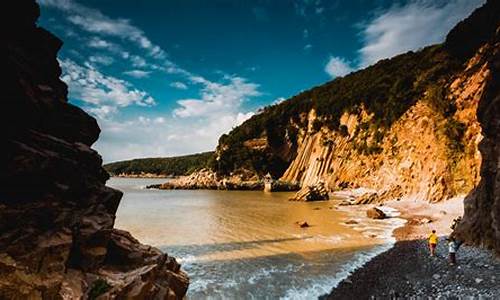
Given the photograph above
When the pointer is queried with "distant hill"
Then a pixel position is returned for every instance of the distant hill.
(166, 166)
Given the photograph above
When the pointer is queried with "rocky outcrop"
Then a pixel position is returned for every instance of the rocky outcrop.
(316, 192)
(394, 193)
(203, 179)
(414, 158)
(56, 215)
(206, 179)
(429, 153)
(405, 127)
(481, 222)
(375, 213)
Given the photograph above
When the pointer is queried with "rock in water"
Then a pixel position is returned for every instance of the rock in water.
(57, 239)
(315, 192)
(351, 222)
(375, 213)
(302, 224)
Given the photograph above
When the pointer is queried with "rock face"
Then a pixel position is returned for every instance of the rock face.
(56, 215)
(481, 222)
(415, 157)
(347, 133)
(316, 192)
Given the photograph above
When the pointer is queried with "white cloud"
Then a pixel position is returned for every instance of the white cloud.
(338, 66)
(103, 94)
(194, 126)
(402, 28)
(92, 20)
(148, 121)
(159, 137)
(138, 61)
(101, 59)
(178, 85)
(96, 42)
(217, 98)
(103, 111)
(159, 120)
(411, 26)
(137, 73)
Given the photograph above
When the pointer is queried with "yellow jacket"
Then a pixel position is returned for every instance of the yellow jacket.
(433, 238)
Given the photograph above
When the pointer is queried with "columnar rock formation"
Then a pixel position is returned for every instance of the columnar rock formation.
(56, 214)
(417, 138)
(415, 158)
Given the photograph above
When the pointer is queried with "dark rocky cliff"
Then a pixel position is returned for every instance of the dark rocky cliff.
(56, 214)
(481, 222)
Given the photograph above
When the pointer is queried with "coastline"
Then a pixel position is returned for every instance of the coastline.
(312, 243)
(400, 264)
(144, 175)
(405, 269)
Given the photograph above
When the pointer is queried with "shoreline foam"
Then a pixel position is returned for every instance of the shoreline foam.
(406, 270)
(360, 259)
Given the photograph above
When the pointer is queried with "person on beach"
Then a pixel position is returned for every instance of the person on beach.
(433, 240)
(452, 249)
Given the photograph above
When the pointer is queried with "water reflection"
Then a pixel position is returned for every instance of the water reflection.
(241, 244)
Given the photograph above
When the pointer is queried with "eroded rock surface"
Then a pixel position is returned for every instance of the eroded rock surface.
(413, 136)
(481, 222)
(56, 214)
(316, 192)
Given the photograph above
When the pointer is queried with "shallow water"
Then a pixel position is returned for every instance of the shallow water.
(246, 245)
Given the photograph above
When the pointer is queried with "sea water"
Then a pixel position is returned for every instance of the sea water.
(246, 244)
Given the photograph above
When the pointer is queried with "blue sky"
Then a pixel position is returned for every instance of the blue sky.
(169, 77)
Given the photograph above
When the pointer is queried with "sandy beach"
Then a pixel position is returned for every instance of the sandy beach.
(407, 271)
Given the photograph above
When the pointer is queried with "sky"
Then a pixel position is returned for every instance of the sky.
(167, 78)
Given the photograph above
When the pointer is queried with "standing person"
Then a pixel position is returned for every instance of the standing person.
(433, 240)
(452, 249)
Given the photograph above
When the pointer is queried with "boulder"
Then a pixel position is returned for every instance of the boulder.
(375, 213)
(302, 224)
(351, 222)
(317, 192)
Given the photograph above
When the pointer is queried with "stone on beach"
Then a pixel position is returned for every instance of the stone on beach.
(375, 213)
(302, 224)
